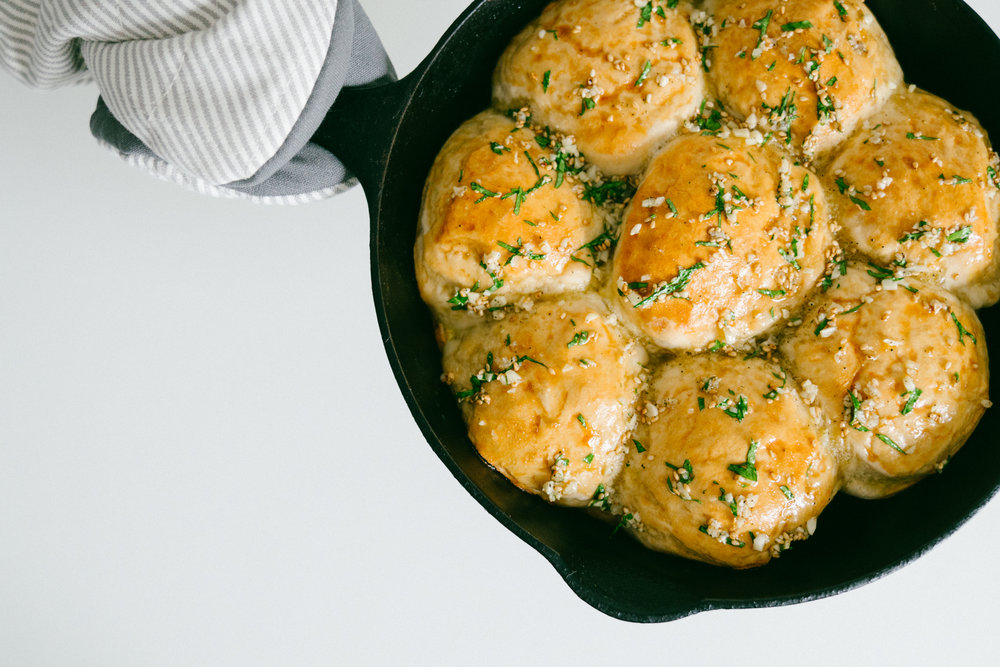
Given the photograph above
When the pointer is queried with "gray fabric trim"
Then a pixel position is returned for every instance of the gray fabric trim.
(355, 57)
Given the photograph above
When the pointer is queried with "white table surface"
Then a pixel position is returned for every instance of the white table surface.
(204, 458)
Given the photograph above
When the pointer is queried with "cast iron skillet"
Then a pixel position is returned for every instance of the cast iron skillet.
(389, 136)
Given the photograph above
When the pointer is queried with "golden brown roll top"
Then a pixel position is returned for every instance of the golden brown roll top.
(730, 467)
(720, 241)
(900, 368)
(548, 396)
(918, 183)
(806, 70)
(620, 77)
(501, 219)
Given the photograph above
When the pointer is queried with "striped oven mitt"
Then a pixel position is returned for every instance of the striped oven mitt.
(221, 96)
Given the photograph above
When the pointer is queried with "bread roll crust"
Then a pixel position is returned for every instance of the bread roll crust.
(903, 375)
(711, 417)
(731, 235)
(597, 70)
(556, 419)
(801, 65)
(914, 184)
(494, 228)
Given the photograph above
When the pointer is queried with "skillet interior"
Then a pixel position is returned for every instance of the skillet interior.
(943, 47)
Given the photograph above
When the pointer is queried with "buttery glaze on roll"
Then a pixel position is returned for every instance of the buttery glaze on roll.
(731, 469)
(900, 367)
(549, 395)
(807, 70)
(501, 219)
(918, 183)
(617, 76)
(720, 241)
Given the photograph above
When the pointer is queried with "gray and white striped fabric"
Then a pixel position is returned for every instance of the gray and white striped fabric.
(218, 95)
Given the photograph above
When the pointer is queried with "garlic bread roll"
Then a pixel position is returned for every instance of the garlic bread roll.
(808, 70)
(494, 227)
(900, 368)
(733, 468)
(618, 77)
(919, 183)
(720, 241)
(548, 396)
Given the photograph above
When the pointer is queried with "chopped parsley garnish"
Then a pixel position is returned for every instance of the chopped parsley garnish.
(924, 137)
(582, 420)
(733, 507)
(645, 73)
(580, 338)
(915, 236)
(761, 25)
(992, 177)
(855, 409)
(796, 25)
(853, 310)
(730, 541)
(880, 272)
(685, 473)
(711, 123)
(961, 235)
(716, 346)
(912, 402)
(645, 15)
(670, 205)
(486, 194)
(676, 285)
(823, 324)
(600, 497)
(963, 332)
(738, 411)
(588, 458)
(488, 374)
(587, 104)
(791, 256)
(840, 10)
(957, 180)
(747, 470)
(861, 202)
(788, 492)
(638, 446)
(624, 522)
(701, 403)
(613, 191)
(518, 251)
(887, 440)
(604, 241)
(498, 148)
(459, 302)
(775, 392)
(546, 79)
(773, 293)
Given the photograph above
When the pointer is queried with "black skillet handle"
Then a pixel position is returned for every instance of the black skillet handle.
(360, 127)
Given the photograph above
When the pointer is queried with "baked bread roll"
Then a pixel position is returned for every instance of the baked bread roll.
(807, 70)
(500, 220)
(617, 76)
(721, 240)
(548, 396)
(733, 466)
(901, 370)
(918, 183)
